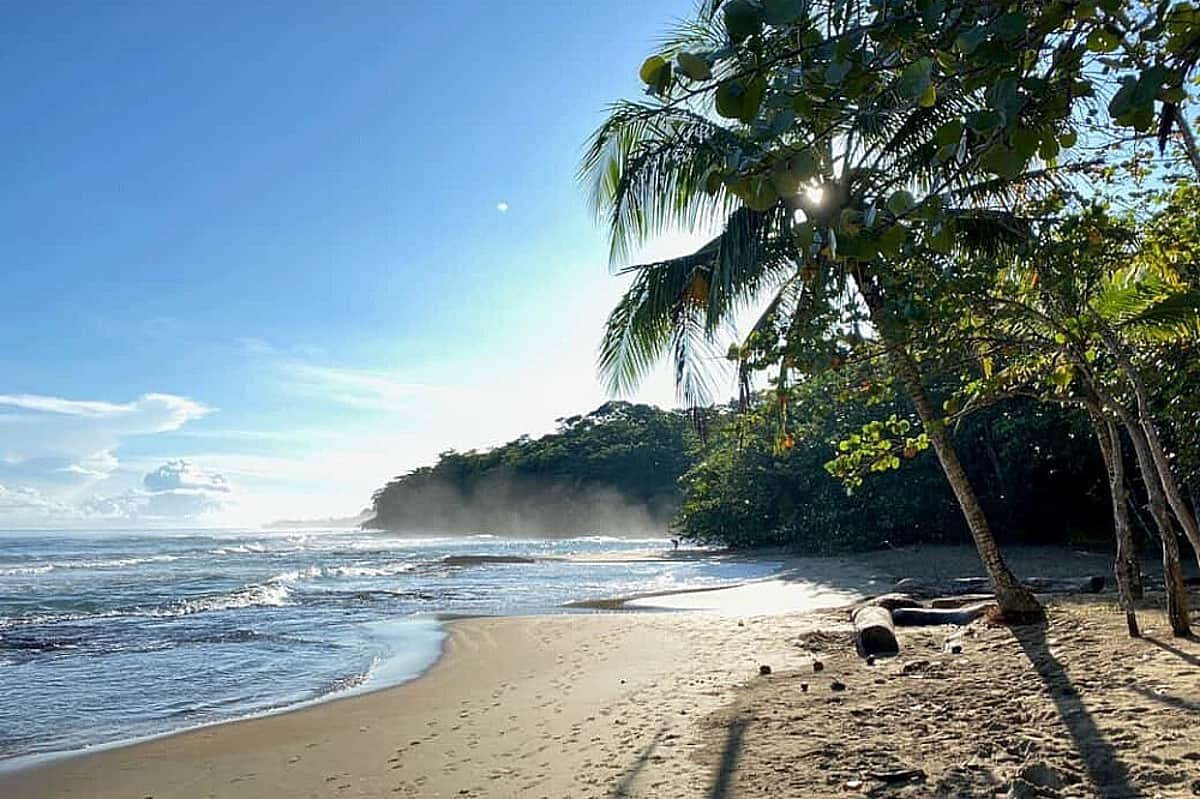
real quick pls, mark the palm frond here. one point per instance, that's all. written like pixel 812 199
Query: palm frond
pixel 1171 318
pixel 648 166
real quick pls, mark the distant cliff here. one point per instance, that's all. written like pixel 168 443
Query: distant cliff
pixel 614 471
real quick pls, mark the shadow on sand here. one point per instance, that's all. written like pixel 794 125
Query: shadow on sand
pixel 625 786
pixel 1108 774
pixel 1174 650
pixel 729 758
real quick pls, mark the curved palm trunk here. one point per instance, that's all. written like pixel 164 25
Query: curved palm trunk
pixel 1126 566
pixel 1017 603
pixel 1157 452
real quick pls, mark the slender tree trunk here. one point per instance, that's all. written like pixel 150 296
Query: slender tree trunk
pixel 1017 603
pixel 1126 566
pixel 1158 454
pixel 1189 141
pixel 1177 608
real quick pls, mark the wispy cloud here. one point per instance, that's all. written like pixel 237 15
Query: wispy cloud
pixel 358 388
pixel 43 404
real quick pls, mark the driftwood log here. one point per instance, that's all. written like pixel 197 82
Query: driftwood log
pixel 980 585
pixel 874 632
pixel 925 617
pixel 1051 585
pixel 893 601
pixel 959 601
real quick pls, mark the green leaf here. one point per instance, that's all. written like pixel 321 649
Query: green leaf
pixel 652 69
pixel 713 182
pixel 941 239
pixel 1025 142
pixel 1004 96
pixel 915 78
pixel 838 70
pixel 949 133
pixel 785 180
pixel 1068 139
pixel 1122 102
pixel 1048 150
pixel 968 41
pixel 1011 26
pixel 803 235
pixel 781 12
pixel 1003 161
pixel 743 19
pixel 928 97
pixel 730 98
pixel 756 192
pixel 892 240
pixel 694 66
pixel 752 99
pixel 1103 41
pixel 901 202
pixel 983 121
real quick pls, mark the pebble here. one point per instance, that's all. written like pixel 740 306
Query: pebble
pixel 764 669
pixel 838 686
pixel 818 665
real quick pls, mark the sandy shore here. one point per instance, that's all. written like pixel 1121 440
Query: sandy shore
pixel 673 705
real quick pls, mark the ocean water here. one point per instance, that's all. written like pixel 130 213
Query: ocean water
pixel 108 637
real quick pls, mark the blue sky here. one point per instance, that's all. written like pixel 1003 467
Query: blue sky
pixel 256 257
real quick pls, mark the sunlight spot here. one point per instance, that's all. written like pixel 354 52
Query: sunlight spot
pixel 815 194
pixel 799 217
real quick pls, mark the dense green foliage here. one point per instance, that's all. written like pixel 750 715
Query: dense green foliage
pixel 1039 475
pixel 613 469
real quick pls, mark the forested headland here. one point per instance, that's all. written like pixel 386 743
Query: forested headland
pixel 613 471
pixel 726 476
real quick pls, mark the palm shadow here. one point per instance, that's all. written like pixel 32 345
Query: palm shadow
pixel 623 788
pixel 1174 650
pixel 729 758
pixel 1167 699
pixel 1107 772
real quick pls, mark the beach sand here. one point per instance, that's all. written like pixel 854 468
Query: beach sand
pixel 644 704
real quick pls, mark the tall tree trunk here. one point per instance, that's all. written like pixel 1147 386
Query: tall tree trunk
pixel 1177 608
pixel 1157 452
pixel 1189 140
pixel 1017 603
pixel 1126 566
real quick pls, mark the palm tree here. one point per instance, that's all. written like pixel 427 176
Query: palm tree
pixel 824 210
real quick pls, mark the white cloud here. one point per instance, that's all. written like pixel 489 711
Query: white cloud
pixel 502 207
pixel 177 475
pixel 23 504
pixel 174 492
pixel 52 435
